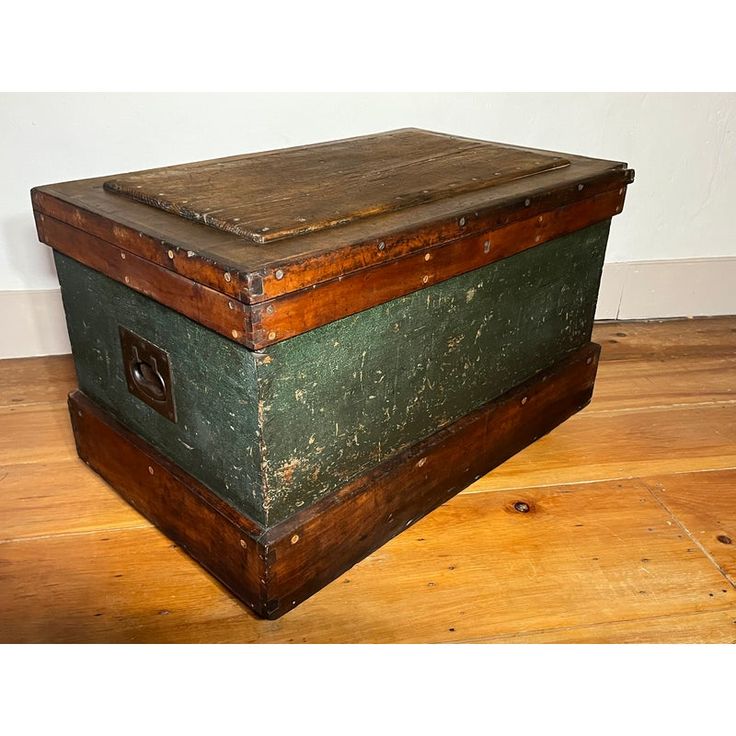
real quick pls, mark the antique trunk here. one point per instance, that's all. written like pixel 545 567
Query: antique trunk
pixel 287 358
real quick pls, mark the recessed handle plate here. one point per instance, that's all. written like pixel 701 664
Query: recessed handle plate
pixel 148 373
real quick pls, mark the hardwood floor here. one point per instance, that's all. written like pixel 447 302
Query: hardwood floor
pixel 631 535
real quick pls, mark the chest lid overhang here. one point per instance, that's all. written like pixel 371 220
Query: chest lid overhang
pixel 285 241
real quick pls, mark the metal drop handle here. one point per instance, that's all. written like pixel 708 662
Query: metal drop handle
pixel 148 373
pixel 149 380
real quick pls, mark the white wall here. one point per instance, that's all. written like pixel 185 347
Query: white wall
pixel 683 147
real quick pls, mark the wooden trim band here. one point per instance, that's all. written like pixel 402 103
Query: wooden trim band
pixel 273 570
pixel 215 310
pixel 391 245
pixel 185 262
pixel 301 311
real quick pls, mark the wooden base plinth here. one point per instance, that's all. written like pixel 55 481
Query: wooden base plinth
pixel 273 570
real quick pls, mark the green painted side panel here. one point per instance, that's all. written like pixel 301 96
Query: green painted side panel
pixel 216 434
pixel 273 431
pixel 342 398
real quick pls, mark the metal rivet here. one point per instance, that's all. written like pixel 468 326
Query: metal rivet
pixel 234 333
pixel 522 507
pixel 425 279
pixel 127 279
pixel 524 400
pixel 487 246
pixel 171 254
pixel 537 238
pixel 427 256
pixel 589 361
pixel 621 191
pixel 295 539
pixel 527 202
pixel 122 255
pixel 150 470
pixel 242 543
pixel 462 222
pixel 231 305
pixel 269 309
pixel 580 187
pixel 228 277
pixel 381 245
pixel 421 462
pixel 279 274
pixel 271 335
pixel 540 218
pixel 618 209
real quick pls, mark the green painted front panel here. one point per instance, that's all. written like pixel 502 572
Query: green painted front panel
pixel 335 401
pixel 340 399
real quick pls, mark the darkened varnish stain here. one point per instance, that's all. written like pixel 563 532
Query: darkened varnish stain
pixel 723 539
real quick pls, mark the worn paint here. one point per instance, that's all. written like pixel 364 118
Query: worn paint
pixel 346 396
pixel 275 430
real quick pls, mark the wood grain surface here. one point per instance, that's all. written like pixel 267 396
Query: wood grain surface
pixel 276 194
pixel 628 500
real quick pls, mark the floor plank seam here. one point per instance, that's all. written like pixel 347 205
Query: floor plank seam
pixel 31 405
pixel 81 533
pixel 691 536
pixel 658 407
pixel 578 627
pixel 564 484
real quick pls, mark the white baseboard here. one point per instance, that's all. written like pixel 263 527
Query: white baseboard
pixel 32 322
pixel 694 287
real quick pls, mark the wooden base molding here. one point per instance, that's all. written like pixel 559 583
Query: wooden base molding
pixel 273 570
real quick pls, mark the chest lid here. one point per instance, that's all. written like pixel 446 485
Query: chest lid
pixel 265 246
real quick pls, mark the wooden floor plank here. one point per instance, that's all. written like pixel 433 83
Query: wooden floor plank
pixel 707 627
pixel 638 384
pixel 607 445
pixel 26 381
pixel 475 568
pixel 39 499
pixel 705 504
pixel 40 435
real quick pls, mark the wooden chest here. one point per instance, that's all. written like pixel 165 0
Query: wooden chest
pixel 287 358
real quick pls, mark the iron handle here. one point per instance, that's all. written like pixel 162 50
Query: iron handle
pixel 148 379
pixel 148 373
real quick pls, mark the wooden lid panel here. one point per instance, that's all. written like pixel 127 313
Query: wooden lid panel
pixel 266 197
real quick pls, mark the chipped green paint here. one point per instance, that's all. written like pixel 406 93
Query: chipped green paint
pixel 273 431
